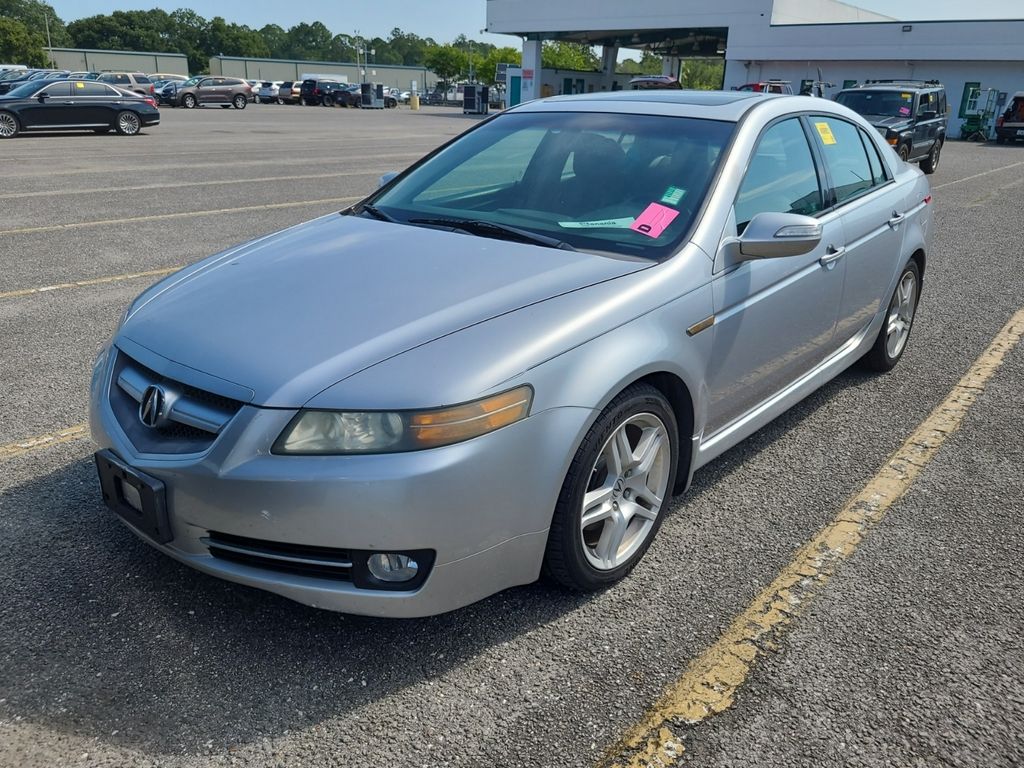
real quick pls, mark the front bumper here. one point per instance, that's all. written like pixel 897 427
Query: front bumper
pixel 483 506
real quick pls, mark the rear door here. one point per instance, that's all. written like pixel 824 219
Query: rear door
pixel 869 204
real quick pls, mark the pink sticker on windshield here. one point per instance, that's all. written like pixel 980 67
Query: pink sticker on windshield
pixel 904 110
pixel 654 220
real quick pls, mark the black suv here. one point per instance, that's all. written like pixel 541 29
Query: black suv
pixel 319 92
pixel 910 114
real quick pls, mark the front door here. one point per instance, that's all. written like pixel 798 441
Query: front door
pixel 50 107
pixel 774 318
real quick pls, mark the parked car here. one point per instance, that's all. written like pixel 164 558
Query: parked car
pixel 84 75
pixel 1010 124
pixel 348 96
pixel 14 78
pixel 909 114
pixel 254 92
pixel 167 76
pixel 314 92
pixel 224 91
pixel 655 82
pixel 626 310
pixel 167 94
pixel 130 81
pixel 768 86
pixel 74 105
pixel 269 91
pixel 289 92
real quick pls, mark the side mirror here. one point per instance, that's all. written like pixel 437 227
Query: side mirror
pixel 44 96
pixel 929 114
pixel 777 235
pixel 384 180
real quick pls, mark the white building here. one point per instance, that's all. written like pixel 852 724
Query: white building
pixel 770 39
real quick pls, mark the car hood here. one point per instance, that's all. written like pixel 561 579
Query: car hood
pixel 889 123
pixel 289 315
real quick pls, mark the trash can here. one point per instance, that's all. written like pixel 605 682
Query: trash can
pixel 414 101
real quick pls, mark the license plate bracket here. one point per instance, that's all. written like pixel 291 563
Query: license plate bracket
pixel 137 498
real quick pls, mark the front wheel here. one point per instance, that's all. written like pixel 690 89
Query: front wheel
pixel 899 319
pixel 239 101
pixel 614 496
pixel 9 126
pixel 128 123
pixel 903 152
pixel 930 163
pixel 188 101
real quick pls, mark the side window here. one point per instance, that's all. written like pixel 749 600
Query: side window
pixel 926 103
pixel 59 89
pixel 878 174
pixel 142 80
pixel 93 89
pixel 781 176
pixel 942 104
pixel 206 83
pixel 845 157
pixel 122 80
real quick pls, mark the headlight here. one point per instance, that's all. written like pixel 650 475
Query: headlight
pixel 345 432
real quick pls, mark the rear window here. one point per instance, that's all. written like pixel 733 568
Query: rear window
pixel 142 79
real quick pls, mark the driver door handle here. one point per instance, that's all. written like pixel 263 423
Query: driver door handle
pixel 896 220
pixel 832 255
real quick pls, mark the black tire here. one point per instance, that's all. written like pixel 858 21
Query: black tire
pixel 881 358
pixel 188 101
pixel 240 101
pixel 9 125
pixel 565 559
pixel 327 101
pixel 931 162
pixel 1000 140
pixel 128 123
pixel 904 152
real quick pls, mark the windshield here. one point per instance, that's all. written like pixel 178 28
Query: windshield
pixel 611 183
pixel 12 74
pixel 881 103
pixel 24 90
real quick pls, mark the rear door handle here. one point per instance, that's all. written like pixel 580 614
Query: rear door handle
pixel 832 256
pixel 896 220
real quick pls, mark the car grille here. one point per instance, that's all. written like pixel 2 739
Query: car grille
pixel 191 420
pixel 301 559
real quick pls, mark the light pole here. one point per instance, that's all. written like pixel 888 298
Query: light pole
pixel 49 46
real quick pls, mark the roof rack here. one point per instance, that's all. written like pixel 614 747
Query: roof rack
pixel 902 81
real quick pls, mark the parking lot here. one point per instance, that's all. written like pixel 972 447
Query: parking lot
pixel 903 649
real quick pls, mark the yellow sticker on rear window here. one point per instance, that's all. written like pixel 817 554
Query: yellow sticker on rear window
pixel 826 133
pixel 79 85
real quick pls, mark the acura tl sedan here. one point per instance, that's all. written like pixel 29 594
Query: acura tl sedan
pixel 505 361
pixel 61 105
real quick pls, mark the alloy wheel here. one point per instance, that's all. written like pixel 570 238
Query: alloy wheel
pixel 627 488
pixel 8 125
pixel 128 123
pixel 901 314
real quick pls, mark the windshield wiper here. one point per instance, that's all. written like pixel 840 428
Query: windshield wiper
pixel 497 231
pixel 377 213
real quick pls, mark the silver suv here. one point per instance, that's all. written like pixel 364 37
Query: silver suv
pixel 129 81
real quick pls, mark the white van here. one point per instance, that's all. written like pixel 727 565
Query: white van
pixel 9 67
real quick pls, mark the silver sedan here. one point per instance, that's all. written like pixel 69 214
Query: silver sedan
pixel 505 361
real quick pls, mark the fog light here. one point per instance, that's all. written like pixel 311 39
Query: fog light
pixel 391 567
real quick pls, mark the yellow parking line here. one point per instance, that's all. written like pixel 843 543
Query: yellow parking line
pixel 29 444
pixel 711 681
pixel 91 281
pixel 182 215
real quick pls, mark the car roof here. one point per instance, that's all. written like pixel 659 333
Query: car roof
pixel 897 85
pixel 711 105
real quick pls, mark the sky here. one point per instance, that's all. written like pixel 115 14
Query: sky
pixel 444 20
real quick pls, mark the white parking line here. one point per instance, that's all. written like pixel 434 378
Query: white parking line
pixel 182 215
pixel 979 175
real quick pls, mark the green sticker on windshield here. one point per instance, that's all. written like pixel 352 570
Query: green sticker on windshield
pixel 673 195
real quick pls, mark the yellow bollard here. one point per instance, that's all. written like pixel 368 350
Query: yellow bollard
pixel 414 101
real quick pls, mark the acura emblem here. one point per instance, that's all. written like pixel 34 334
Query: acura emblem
pixel 151 406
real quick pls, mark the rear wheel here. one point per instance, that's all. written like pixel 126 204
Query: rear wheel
pixel 9 126
pixel 239 101
pixel 327 101
pixel 188 101
pixel 615 493
pixel 128 123
pixel 899 319
pixel 930 163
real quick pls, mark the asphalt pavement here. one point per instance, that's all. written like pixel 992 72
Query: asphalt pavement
pixel 113 655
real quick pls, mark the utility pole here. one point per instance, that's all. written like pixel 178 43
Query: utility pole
pixel 49 47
